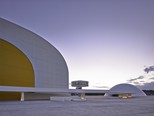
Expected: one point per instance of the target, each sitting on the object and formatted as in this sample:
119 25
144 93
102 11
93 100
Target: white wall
49 65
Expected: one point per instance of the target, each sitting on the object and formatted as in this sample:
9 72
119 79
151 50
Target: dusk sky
105 42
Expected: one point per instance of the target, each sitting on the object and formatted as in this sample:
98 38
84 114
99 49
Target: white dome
136 92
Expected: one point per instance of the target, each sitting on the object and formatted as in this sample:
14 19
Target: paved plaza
92 107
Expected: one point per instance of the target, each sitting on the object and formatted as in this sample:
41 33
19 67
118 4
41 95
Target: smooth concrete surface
50 68
143 106
125 87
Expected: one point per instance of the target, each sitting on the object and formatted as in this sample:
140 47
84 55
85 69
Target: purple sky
105 42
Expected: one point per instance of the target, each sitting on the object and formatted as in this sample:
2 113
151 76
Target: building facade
28 60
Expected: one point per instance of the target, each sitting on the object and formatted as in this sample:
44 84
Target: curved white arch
50 68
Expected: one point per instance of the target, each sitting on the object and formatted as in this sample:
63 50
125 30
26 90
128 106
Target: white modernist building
125 90
27 57
31 68
49 66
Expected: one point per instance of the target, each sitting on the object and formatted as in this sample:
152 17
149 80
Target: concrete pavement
92 107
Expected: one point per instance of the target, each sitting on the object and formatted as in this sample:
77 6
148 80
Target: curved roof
127 88
49 66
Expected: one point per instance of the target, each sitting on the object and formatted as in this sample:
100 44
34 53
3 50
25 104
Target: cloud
136 83
103 87
142 81
135 79
152 78
146 81
131 80
147 86
149 69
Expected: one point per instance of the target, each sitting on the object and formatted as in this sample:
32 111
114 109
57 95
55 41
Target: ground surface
100 107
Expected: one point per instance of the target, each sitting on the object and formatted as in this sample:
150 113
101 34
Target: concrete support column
22 96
